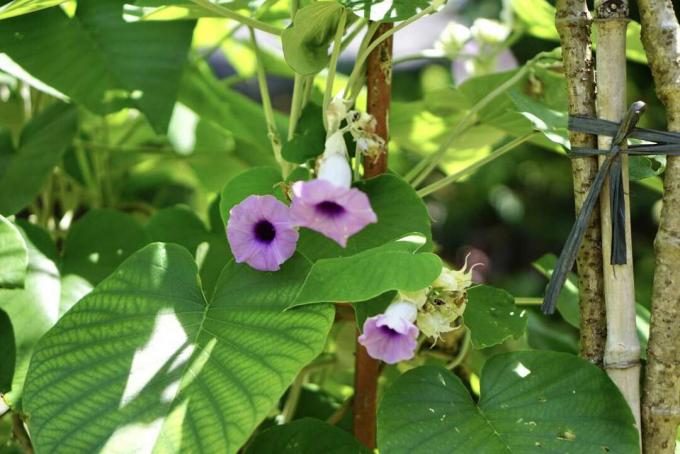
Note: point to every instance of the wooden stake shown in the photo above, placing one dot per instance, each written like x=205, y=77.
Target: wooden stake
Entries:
x=622, y=349
x=573, y=23
x=661, y=400
x=367, y=369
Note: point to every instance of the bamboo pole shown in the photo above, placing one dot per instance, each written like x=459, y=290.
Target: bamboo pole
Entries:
x=661, y=397
x=573, y=23
x=367, y=369
x=622, y=348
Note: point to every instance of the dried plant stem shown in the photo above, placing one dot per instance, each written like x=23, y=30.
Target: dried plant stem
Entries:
x=661, y=400
x=573, y=23
x=367, y=369
x=622, y=349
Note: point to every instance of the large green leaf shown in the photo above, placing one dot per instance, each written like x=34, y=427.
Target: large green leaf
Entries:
x=306, y=436
x=305, y=42
x=19, y=7
x=386, y=10
x=99, y=241
x=530, y=402
x=492, y=316
x=144, y=363
x=13, y=256
x=43, y=142
x=31, y=311
x=400, y=212
x=180, y=225
x=100, y=60
x=370, y=273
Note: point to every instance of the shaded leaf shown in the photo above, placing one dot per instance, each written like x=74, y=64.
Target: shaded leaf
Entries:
x=310, y=136
x=255, y=181
x=306, y=436
x=530, y=402
x=97, y=58
x=172, y=373
x=43, y=141
x=492, y=317
x=19, y=7
x=99, y=241
x=7, y=352
x=568, y=301
x=305, y=42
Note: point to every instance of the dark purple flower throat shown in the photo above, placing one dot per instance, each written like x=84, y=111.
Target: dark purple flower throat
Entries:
x=330, y=209
x=265, y=232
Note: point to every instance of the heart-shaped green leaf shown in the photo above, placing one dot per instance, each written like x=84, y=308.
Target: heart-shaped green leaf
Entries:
x=368, y=274
x=306, y=436
x=530, y=402
x=13, y=256
x=91, y=57
x=43, y=141
x=144, y=363
x=310, y=136
x=492, y=316
x=305, y=42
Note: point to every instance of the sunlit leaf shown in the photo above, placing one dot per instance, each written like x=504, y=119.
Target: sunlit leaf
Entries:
x=144, y=363
x=100, y=60
x=568, y=301
x=13, y=256
x=386, y=10
x=19, y=7
x=43, y=141
x=492, y=316
x=530, y=402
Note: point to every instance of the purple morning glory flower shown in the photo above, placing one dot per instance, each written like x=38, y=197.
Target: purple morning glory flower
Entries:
x=331, y=210
x=260, y=232
x=392, y=336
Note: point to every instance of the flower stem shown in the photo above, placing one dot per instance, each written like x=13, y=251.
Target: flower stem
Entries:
x=437, y=185
x=332, y=66
x=229, y=14
x=462, y=351
x=272, y=132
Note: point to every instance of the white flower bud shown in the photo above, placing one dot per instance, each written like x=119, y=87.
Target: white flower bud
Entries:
x=336, y=112
x=453, y=38
x=487, y=31
x=335, y=168
x=402, y=309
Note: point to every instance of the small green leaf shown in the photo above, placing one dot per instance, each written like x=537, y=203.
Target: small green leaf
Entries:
x=7, y=352
x=641, y=167
x=386, y=10
x=19, y=7
x=13, y=256
x=530, y=402
x=310, y=136
x=43, y=141
x=255, y=181
x=99, y=241
x=492, y=317
x=305, y=42
x=368, y=274
x=306, y=436
x=90, y=57
x=568, y=301
x=144, y=364
x=394, y=220
x=552, y=123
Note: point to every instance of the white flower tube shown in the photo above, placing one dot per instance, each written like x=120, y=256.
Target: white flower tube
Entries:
x=333, y=165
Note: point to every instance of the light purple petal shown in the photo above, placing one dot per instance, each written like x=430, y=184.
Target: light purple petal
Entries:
x=335, y=212
x=260, y=232
x=389, y=339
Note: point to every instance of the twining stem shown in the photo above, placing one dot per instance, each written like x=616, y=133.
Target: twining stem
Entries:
x=427, y=165
x=20, y=433
x=622, y=348
x=661, y=396
x=296, y=104
x=332, y=65
x=379, y=88
x=272, y=131
x=350, y=93
x=293, y=397
x=573, y=22
x=229, y=14
x=437, y=185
